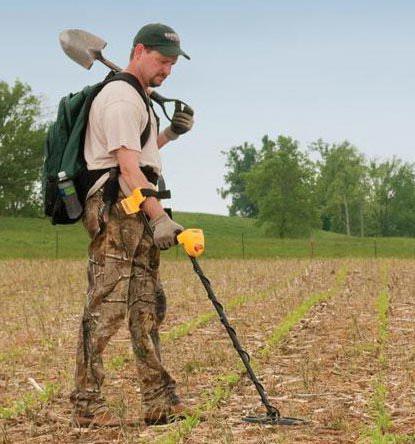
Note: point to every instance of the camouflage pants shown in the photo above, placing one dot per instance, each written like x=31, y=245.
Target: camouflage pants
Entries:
x=123, y=281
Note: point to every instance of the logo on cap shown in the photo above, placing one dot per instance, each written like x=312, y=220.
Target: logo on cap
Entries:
x=172, y=36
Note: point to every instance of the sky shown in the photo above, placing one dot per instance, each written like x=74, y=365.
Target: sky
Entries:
x=325, y=69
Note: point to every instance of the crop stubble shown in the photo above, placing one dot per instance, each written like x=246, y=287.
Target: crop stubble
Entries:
x=400, y=349
x=324, y=370
x=209, y=355
x=41, y=306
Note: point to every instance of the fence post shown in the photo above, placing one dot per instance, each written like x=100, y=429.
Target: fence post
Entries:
x=312, y=248
x=243, y=245
x=376, y=249
x=56, y=243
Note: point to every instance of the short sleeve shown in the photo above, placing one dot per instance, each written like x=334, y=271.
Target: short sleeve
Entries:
x=122, y=123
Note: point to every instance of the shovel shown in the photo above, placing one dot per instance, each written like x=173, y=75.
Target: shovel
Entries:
x=84, y=48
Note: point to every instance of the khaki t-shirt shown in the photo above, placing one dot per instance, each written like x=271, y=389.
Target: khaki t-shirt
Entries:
x=118, y=116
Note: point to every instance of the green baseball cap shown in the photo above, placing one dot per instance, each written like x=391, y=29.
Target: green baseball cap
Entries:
x=160, y=37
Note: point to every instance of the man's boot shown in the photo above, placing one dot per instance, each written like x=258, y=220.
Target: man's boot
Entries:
x=176, y=412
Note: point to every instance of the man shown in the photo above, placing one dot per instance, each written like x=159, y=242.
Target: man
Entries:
x=123, y=253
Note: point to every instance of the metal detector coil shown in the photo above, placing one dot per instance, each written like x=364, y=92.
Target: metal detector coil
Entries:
x=274, y=420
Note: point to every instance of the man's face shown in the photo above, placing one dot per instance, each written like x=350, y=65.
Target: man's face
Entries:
x=155, y=67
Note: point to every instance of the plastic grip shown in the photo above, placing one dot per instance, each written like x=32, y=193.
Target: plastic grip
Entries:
x=193, y=241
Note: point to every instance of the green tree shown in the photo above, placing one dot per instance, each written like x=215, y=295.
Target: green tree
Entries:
x=239, y=160
x=342, y=187
x=392, y=198
x=21, y=152
x=282, y=186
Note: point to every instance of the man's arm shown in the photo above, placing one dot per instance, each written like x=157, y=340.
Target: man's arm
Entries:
x=128, y=161
x=162, y=140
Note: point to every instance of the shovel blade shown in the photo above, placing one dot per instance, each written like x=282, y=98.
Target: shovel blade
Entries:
x=81, y=46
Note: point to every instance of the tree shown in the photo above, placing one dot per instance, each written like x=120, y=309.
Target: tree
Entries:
x=21, y=152
x=342, y=187
x=239, y=160
x=282, y=186
x=392, y=198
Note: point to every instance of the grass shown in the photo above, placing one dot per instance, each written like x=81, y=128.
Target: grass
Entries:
x=213, y=398
x=226, y=237
x=201, y=320
x=30, y=402
x=284, y=327
x=378, y=433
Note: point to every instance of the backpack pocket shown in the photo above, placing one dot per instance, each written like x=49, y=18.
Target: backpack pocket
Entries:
x=54, y=204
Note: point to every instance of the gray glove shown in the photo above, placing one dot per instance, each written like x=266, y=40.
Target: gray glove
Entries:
x=165, y=231
x=181, y=123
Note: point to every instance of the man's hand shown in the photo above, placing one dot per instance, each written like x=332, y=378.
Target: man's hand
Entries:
x=165, y=231
x=181, y=123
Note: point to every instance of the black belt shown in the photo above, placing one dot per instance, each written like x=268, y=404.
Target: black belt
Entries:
x=112, y=187
x=150, y=174
x=94, y=175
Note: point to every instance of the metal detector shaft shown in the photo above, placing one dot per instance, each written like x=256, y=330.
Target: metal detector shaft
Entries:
x=271, y=410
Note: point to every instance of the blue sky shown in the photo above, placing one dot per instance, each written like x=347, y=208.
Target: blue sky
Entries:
x=308, y=69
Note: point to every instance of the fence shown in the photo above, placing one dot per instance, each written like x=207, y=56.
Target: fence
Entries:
x=71, y=243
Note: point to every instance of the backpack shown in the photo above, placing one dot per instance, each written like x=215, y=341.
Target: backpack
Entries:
x=64, y=146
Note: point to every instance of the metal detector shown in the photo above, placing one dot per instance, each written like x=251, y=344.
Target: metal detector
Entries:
x=194, y=244
x=273, y=415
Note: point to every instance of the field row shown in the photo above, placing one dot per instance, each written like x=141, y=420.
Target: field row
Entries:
x=319, y=332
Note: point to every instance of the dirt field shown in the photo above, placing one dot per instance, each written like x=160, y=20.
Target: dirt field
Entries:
x=332, y=341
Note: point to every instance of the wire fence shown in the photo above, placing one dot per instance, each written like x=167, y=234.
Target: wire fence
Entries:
x=62, y=243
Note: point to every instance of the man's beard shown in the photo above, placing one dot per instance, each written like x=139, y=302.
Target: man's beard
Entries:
x=154, y=83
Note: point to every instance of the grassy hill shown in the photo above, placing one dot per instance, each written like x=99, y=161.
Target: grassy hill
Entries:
x=226, y=237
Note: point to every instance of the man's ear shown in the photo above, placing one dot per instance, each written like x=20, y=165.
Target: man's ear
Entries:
x=138, y=50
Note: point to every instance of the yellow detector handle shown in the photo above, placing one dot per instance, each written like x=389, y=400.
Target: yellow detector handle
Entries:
x=193, y=241
x=131, y=204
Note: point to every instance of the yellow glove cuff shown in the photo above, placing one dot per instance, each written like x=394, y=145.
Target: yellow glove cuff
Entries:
x=131, y=204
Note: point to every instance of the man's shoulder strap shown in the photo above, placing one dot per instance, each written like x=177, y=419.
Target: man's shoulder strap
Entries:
x=133, y=81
